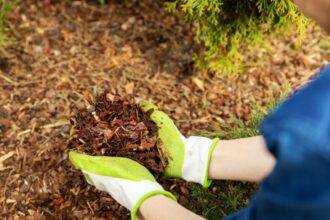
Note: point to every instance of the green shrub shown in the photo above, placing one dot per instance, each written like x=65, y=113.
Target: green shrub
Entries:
x=241, y=129
x=5, y=8
x=213, y=206
x=225, y=27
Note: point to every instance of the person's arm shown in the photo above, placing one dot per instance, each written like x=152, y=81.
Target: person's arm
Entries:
x=241, y=159
x=160, y=207
x=245, y=159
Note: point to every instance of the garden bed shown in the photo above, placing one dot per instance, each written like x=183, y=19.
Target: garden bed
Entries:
x=64, y=49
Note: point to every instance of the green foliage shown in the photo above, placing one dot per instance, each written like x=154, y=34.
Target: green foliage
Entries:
x=232, y=197
x=225, y=27
x=325, y=45
x=102, y=2
x=5, y=8
x=240, y=129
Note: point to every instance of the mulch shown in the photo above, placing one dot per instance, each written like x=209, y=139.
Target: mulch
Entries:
x=65, y=49
x=116, y=126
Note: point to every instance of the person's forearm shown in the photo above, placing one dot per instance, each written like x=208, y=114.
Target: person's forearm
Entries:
x=241, y=159
x=160, y=207
x=244, y=159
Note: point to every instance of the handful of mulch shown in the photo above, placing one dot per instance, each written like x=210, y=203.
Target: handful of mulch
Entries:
x=116, y=126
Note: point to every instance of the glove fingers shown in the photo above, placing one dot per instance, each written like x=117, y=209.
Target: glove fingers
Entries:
x=172, y=139
x=162, y=120
x=118, y=167
x=146, y=106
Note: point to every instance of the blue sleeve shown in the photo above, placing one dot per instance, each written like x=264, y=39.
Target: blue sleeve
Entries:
x=297, y=133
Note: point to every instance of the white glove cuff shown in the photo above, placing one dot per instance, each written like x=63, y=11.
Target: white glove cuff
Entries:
x=197, y=156
x=126, y=192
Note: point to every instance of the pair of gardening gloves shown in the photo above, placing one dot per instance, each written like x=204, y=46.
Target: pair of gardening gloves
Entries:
x=130, y=183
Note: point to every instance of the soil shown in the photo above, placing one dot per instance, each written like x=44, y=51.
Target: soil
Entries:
x=116, y=126
x=65, y=49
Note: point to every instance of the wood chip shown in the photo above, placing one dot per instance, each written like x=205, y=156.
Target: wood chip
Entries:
x=199, y=83
x=5, y=157
x=129, y=88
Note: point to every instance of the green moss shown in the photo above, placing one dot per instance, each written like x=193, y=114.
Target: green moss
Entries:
x=325, y=45
x=5, y=7
x=232, y=197
x=226, y=27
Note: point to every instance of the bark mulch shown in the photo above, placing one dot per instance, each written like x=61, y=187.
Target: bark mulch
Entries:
x=116, y=126
x=64, y=50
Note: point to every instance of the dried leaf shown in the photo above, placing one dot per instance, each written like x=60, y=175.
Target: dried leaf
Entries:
x=108, y=134
x=117, y=122
x=5, y=157
x=58, y=201
x=79, y=214
x=134, y=135
x=110, y=97
x=5, y=122
x=199, y=83
x=147, y=144
x=140, y=127
x=132, y=146
x=129, y=88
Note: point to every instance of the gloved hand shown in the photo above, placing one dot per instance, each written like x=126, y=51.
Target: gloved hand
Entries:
x=189, y=157
x=127, y=181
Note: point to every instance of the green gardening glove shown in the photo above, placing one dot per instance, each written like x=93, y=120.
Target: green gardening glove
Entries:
x=127, y=181
x=189, y=157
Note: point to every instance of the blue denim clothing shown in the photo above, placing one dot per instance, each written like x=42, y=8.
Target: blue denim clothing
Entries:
x=297, y=133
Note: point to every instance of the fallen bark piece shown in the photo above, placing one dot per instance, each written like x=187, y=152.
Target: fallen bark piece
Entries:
x=116, y=126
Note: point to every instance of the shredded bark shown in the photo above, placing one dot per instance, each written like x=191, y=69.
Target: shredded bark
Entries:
x=63, y=49
x=116, y=126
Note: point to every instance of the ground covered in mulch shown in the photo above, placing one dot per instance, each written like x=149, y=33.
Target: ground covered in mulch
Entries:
x=66, y=49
